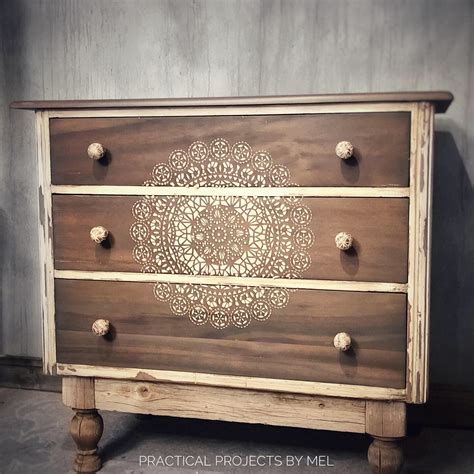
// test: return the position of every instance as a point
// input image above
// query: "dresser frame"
(380, 412)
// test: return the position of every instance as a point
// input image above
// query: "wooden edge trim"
(381, 192)
(232, 381)
(232, 110)
(234, 405)
(46, 243)
(233, 280)
(441, 99)
(79, 392)
(419, 252)
(195, 111)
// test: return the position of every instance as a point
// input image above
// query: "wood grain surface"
(245, 406)
(305, 144)
(78, 392)
(295, 343)
(379, 227)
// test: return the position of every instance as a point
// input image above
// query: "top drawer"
(301, 149)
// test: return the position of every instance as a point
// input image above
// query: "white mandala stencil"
(240, 236)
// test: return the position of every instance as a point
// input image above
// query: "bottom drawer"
(256, 332)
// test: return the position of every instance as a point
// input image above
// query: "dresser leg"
(386, 423)
(385, 456)
(86, 430)
(87, 425)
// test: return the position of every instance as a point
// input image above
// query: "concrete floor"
(34, 439)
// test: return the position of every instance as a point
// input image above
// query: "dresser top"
(441, 99)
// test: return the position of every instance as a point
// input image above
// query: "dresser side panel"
(46, 242)
(419, 252)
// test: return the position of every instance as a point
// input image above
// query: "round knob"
(99, 234)
(344, 150)
(344, 241)
(100, 327)
(342, 341)
(96, 151)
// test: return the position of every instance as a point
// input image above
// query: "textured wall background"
(76, 49)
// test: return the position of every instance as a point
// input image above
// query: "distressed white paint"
(236, 381)
(231, 191)
(77, 49)
(233, 280)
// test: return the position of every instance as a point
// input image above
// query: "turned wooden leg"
(385, 456)
(86, 430)
(386, 422)
(86, 426)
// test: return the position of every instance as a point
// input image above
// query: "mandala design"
(244, 236)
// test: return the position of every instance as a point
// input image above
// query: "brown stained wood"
(385, 456)
(245, 406)
(78, 392)
(305, 144)
(441, 99)
(86, 429)
(295, 343)
(379, 228)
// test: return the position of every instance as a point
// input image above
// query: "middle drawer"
(237, 236)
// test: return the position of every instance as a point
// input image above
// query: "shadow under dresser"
(259, 260)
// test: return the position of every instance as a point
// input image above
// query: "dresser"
(258, 260)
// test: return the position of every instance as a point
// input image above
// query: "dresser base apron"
(385, 421)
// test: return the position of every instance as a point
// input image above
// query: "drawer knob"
(101, 327)
(344, 150)
(99, 234)
(342, 341)
(96, 151)
(344, 241)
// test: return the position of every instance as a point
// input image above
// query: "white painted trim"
(233, 280)
(235, 110)
(46, 243)
(419, 252)
(382, 192)
(256, 383)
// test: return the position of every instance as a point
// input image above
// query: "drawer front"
(302, 147)
(227, 330)
(236, 236)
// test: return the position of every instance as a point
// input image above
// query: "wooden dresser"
(262, 260)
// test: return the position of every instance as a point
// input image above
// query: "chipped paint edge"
(46, 243)
(419, 260)
(234, 381)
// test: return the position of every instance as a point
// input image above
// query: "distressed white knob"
(100, 327)
(344, 150)
(96, 151)
(99, 234)
(344, 241)
(342, 341)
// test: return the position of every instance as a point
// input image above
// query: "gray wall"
(151, 48)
